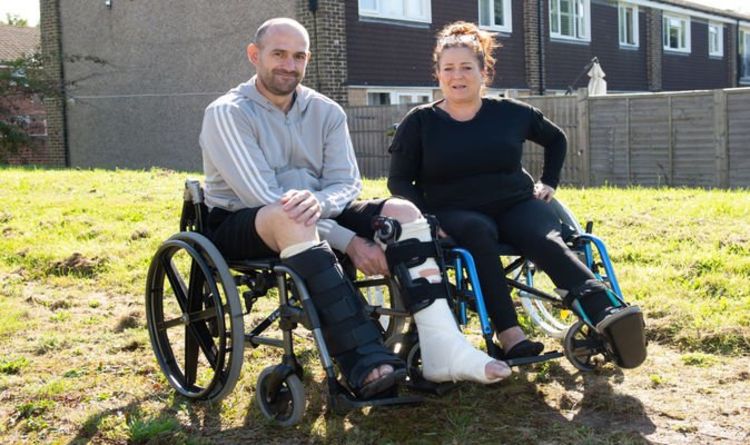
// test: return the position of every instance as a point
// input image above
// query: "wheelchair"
(583, 346)
(196, 304)
(195, 318)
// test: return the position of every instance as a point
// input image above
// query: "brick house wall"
(696, 70)
(51, 33)
(328, 68)
(391, 53)
(625, 68)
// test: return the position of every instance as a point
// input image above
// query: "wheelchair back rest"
(569, 222)
(194, 211)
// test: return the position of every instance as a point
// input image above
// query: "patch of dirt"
(139, 234)
(77, 264)
(663, 401)
(129, 321)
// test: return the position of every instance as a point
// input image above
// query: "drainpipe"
(63, 88)
(312, 6)
(540, 11)
(738, 58)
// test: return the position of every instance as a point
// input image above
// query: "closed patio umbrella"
(597, 84)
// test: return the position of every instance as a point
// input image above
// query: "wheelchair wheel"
(401, 344)
(414, 362)
(285, 404)
(194, 317)
(550, 317)
(387, 295)
(582, 347)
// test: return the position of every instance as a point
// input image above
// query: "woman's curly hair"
(468, 35)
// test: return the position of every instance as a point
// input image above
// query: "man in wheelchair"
(280, 175)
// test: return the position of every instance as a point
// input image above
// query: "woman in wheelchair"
(459, 158)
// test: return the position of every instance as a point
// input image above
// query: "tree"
(14, 20)
(20, 81)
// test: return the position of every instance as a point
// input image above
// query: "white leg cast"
(446, 354)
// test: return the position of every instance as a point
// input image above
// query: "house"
(137, 75)
(643, 45)
(15, 43)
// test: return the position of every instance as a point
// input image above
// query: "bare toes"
(372, 376)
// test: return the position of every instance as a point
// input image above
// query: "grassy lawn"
(76, 364)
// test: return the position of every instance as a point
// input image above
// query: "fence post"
(670, 141)
(584, 141)
(721, 141)
(628, 143)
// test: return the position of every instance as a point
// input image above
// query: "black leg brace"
(592, 296)
(621, 325)
(403, 255)
(353, 339)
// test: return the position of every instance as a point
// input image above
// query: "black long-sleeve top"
(438, 162)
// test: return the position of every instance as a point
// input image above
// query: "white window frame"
(507, 26)
(396, 94)
(621, 7)
(719, 51)
(380, 12)
(667, 17)
(581, 20)
(744, 51)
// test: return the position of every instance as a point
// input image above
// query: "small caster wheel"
(280, 400)
(582, 345)
(414, 362)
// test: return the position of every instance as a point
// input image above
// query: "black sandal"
(524, 348)
(384, 383)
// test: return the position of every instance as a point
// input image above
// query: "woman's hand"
(543, 192)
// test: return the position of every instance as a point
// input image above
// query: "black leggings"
(531, 227)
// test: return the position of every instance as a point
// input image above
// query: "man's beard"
(280, 88)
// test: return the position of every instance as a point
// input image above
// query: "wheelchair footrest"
(523, 361)
(426, 386)
(342, 403)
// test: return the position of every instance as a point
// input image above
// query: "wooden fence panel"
(372, 129)
(696, 138)
(563, 111)
(650, 160)
(608, 128)
(738, 112)
(693, 134)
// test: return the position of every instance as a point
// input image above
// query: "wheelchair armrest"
(447, 242)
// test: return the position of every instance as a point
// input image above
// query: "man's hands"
(367, 256)
(301, 206)
(543, 192)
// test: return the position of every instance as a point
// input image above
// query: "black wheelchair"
(195, 317)
(196, 304)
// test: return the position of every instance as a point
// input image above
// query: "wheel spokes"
(176, 282)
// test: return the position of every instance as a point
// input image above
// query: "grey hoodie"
(253, 153)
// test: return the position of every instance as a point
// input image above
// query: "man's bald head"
(281, 23)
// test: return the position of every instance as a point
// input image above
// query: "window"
(715, 40)
(393, 97)
(495, 15)
(409, 10)
(570, 19)
(676, 33)
(745, 55)
(628, 25)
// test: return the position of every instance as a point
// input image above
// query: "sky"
(29, 9)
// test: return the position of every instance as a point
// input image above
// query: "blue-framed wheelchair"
(197, 306)
(582, 344)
